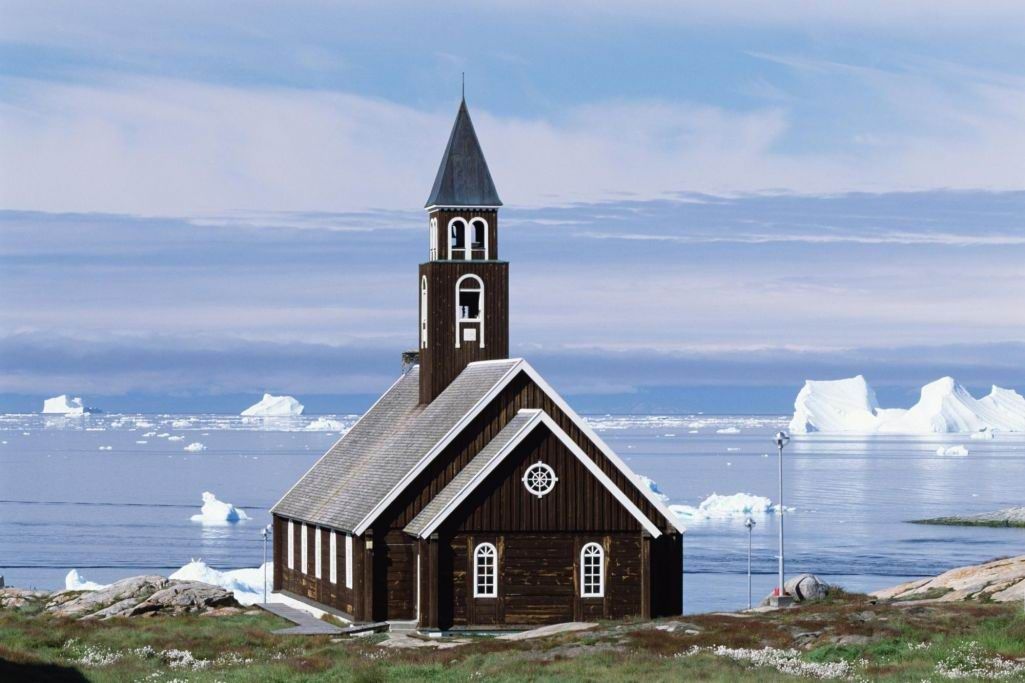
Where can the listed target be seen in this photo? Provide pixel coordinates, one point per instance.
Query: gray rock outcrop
(998, 580)
(806, 587)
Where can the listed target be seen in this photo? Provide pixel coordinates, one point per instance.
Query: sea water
(82, 492)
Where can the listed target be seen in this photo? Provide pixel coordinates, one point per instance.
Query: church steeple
(464, 288)
(463, 177)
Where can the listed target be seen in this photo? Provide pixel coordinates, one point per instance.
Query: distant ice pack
(945, 407)
(274, 406)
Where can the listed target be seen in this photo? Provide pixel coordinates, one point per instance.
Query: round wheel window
(539, 479)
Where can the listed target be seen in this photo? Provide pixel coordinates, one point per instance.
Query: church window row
(468, 239)
(485, 571)
(303, 533)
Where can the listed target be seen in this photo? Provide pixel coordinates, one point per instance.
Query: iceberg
(952, 451)
(75, 582)
(218, 512)
(649, 484)
(62, 405)
(194, 447)
(718, 506)
(944, 407)
(323, 424)
(246, 584)
(274, 406)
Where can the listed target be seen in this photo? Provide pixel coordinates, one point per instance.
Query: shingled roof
(362, 468)
(463, 178)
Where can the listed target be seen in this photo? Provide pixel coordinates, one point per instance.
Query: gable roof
(505, 442)
(365, 465)
(463, 177)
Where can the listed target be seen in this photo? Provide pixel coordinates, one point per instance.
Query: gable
(490, 491)
(522, 387)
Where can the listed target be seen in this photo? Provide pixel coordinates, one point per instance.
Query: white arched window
(478, 238)
(469, 310)
(592, 571)
(434, 239)
(457, 246)
(485, 571)
(423, 312)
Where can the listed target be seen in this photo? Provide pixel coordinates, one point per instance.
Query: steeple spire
(463, 178)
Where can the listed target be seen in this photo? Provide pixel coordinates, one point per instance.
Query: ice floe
(719, 506)
(195, 447)
(76, 582)
(218, 512)
(62, 405)
(246, 584)
(952, 451)
(274, 406)
(944, 407)
(323, 424)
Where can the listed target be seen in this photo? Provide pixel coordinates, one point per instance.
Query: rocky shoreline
(1008, 517)
(1000, 580)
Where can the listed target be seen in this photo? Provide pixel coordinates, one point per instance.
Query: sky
(704, 205)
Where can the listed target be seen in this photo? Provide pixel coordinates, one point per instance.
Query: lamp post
(750, 524)
(782, 438)
(265, 533)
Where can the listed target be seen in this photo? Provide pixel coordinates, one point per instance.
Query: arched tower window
(457, 250)
(434, 240)
(592, 571)
(485, 571)
(423, 312)
(469, 310)
(478, 238)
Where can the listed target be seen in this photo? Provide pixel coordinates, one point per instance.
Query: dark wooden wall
(302, 580)
(441, 361)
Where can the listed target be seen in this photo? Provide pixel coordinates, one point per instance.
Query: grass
(849, 634)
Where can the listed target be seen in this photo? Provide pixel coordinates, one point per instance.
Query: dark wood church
(470, 495)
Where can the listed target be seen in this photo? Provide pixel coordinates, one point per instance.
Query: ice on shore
(274, 406)
(944, 407)
(952, 451)
(194, 447)
(718, 506)
(76, 582)
(62, 405)
(246, 584)
(218, 512)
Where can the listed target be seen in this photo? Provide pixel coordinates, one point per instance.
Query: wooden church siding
(441, 360)
(666, 575)
(302, 581)
(395, 575)
(444, 236)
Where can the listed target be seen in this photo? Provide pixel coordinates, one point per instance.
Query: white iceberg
(75, 582)
(649, 484)
(952, 451)
(218, 512)
(323, 424)
(246, 584)
(718, 506)
(62, 405)
(194, 447)
(944, 407)
(728, 430)
(275, 406)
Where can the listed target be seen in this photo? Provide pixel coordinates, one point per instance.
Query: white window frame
(348, 561)
(434, 240)
(585, 590)
(423, 312)
(462, 227)
(484, 550)
(528, 480)
(291, 544)
(332, 548)
(478, 322)
(469, 235)
(318, 554)
(304, 548)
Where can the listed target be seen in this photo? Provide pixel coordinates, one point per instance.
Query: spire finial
(464, 86)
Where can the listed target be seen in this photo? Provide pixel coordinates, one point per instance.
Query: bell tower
(464, 288)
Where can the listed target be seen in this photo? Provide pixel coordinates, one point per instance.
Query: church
(471, 495)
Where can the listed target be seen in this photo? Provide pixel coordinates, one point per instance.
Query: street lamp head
(782, 439)
(749, 523)
(264, 531)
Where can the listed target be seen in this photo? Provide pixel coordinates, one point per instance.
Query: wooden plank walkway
(306, 623)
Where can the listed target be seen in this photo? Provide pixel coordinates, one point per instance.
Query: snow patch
(194, 447)
(944, 407)
(275, 406)
(76, 582)
(246, 584)
(218, 512)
